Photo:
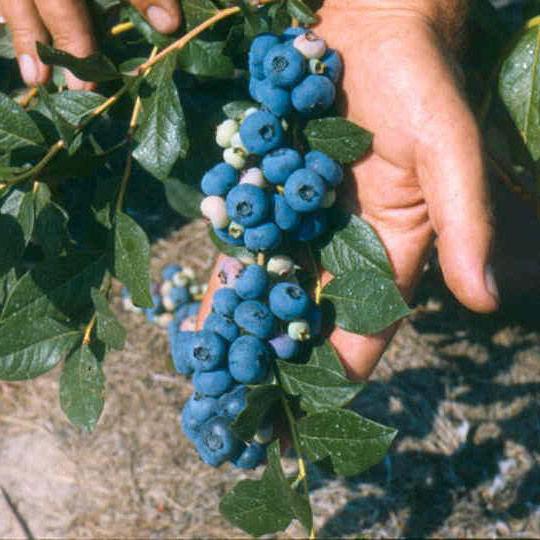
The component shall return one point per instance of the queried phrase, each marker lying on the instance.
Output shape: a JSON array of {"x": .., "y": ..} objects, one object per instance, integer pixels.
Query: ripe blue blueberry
[
  {"x": 285, "y": 217},
  {"x": 279, "y": 164},
  {"x": 255, "y": 318},
  {"x": 213, "y": 383},
  {"x": 293, "y": 31},
  {"x": 253, "y": 455},
  {"x": 258, "y": 50},
  {"x": 216, "y": 442},
  {"x": 225, "y": 301},
  {"x": 315, "y": 320},
  {"x": 274, "y": 98},
  {"x": 222, "y": 325},
  {"x": 314, "y": 95},
  {"x": 254, "y": 86},
  {"x": 304, "y": 190},
  {"x": 248, "y": 205},
  {"x": 284, "y": 65},
  {"x": 219, "y": 180},
  {"x": 201, "y": 407},
  {"x": 207, "y": 351},
  {"x": 168, "y": 271},
  {"x": 252, "y": 283},
  {"x": 180, "y": 347},
  {"x": 232, "y": 403},
  {"x": 333, "y": 66},
  {"x": 311, "y": 227},
  {"x": 225, "y": 236},
  {"x": 249, "y": 360},
  {"x": 288, "y": 301},
  {"x": 261, "y": 132},
  {"x": 190, "y": 425},
  {"x": 179, "y": 296},
  {"x": 265, "y": 237},
  {"x": 285, "y": 347},
  {"x": 330, "y": 170}
]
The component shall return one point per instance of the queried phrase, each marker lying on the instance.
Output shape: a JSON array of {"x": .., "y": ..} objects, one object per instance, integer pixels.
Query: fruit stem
[
  {"x": 318, "y": 286},
  {"x": 121, "y": 28},
  {"x": 302, "y": 469},
  {"x": 261, "y": 258},
  {"x": 27, "y": 97},
  {"x": 88, "y": 330}
]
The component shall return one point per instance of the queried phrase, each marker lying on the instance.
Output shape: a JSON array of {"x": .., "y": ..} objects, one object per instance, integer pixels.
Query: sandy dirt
[{"x": 462, "y": 389}]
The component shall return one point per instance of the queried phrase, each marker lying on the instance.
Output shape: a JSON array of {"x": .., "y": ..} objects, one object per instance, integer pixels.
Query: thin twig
[
  {"x": 18, "y": 516},
  {"x": 121, "y": 28},
  {"x": 27, "y": 97}
]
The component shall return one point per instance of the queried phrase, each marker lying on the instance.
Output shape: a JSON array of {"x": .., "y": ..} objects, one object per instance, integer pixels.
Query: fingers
[
  {"x": 70, "y": 26},
  {"x": 26, "y": 29},
  {"x": 451, "y": 174},
  {"x": 163, "y": 15}
]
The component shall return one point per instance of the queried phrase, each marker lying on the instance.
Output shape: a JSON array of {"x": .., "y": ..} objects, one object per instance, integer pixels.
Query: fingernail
[
  {"x": 160, "y": 19},
  {"x": 491, "y": 284},
  {"x": 29, "y": 69},
  {"x": 2, "y": 20}
]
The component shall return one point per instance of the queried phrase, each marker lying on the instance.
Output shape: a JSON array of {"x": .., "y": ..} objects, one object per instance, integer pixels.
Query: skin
[{"x": 424, "y": 179}]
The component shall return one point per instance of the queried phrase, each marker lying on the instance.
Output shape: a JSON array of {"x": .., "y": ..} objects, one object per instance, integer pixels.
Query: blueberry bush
[{"x": 234, "y": 118}]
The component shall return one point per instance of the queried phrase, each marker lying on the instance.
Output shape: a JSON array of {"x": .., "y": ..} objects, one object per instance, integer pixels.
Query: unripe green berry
[
  {"x": 235, "y": 157},
  {"x": 299, "y": 330},
  {"x": 225, "y": 131},
  {"x": 253, "y": 176},
  {"x": 236, "y": 230},
  {"x": 281, "y": 266}
]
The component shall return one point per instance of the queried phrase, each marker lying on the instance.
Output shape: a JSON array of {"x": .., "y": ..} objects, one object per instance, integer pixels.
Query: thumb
[{"x": 451, "y": 173}]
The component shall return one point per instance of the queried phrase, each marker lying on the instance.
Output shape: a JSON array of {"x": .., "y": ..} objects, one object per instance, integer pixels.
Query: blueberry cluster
[
  {"x": 175, "y": 298},
  {"x": 293, "y": 72},
  {"x": 264, "y": 188},
  {"x": 259, "y": 314}
]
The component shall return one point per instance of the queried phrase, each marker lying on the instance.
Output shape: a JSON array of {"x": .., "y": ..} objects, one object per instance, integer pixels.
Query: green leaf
[
  {"x": 20, "y": 205},
  {"x": 197, "y": 11},
  {"x": 76, "y": 105},
  {"x": 301, "y": 11},
  {"x": 354, "y": 245},
  {"x": 132, "y": 259},
  {"x": 236, "y": 109},
  {"x": 17, "y": 129},
  {"x": 183, "y": 198},
  {"x": 7, "y": 282},
  {"x": 6, "y": 43},
  {"x": 205, "y": 59},
  {"x": 321, "y": 383},
  {"x": 58, "y": 288},
  {"x": 34, "y": 347},
  {"x": 162, "y": 135},
  {"x": 267, "y": 505},
  {"x": 108, "y": 327},
  {"x": 12, "y": 244},
  {"x": 365, "y": 302},
  {"x": 82, "y": 388},
  {"x": 342, "y": 140},
  {"x": 259, "y": 402},
  {"x": 519, "y": 87},
  {"x": 353, "y": 444},
  {"x": 64, "y": 128},
  {"x": 51, "y": 229},
  {"x": 95, "y": 68}
]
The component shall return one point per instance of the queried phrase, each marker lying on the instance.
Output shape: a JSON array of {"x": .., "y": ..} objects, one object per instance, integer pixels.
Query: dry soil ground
[{"x": 462, "y": 389}]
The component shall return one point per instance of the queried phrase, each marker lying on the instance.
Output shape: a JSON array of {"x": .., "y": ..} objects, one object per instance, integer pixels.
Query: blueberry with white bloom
[
  {"x": 304, "y": 190},
  {"x": 219, "y": 180},
  {"x": 262, "y": 132},
  {"x": 257, "y": 52},
  {"x": 213, "y": 383},
  {"x": 216, "y": 443},
  {"x": 288, "y": 301},
  {"x": 327, "y": 168},
  {"x": 284, "y": 66},
  {"x": 247, "y": 205},
  {"x": 249, "y": 360},
  {"x": 314, "y": 95},
  {"x": 264, "y": 237},
  {"x": 285, "y": 217},
  {"x": 276, "y": 99},
  {"x": 279, "y": 164}
]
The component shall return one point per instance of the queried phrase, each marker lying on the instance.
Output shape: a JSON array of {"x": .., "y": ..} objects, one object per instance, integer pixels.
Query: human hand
[
  {"x": 68, "y": 24},
  {"x": 425, "y": 176}
]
